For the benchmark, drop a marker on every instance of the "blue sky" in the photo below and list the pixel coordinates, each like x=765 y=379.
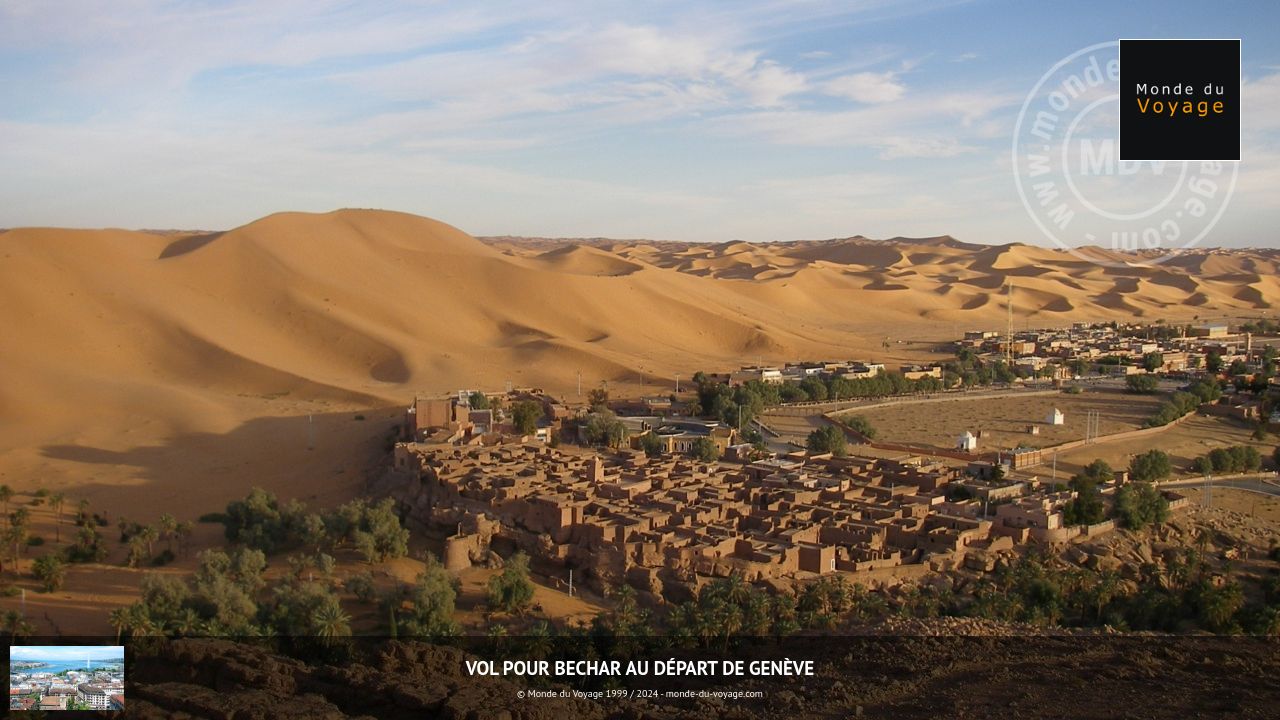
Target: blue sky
x=667 y=120
x=65 y=653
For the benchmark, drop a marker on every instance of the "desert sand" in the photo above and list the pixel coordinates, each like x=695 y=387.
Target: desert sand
x=170 y=372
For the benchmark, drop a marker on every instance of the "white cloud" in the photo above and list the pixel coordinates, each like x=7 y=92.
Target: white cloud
x=867 y=87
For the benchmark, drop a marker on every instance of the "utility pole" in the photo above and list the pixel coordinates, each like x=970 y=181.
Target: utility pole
x=1008 y=337
x=570 y=582
x=677 y=383
x=311 y=432
x=579 y=383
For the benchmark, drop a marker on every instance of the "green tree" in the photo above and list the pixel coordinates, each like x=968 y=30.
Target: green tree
x=15 y=623
x=604 y=428
x=598 y=398
x=183 y=533
x=1142 y=384
x=651 y=444
x=478 y=401
x=120 y=620
x=511 y=591
x=168 y=527
x=862 y=425
x=1140 y=504
x=705 y=450
x=1086 y=508
x=1152 y=361
x=525 y=415
x=827 y=438
x=329 y=620
x=361 y=585
x=432 y=598
x=50 y=571
x=1150 y=466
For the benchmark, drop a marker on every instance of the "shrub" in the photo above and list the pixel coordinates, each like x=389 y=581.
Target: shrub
x=50 y=571
x=1142 y=384
x=862 y=425
x=216 y=518
x=827 y=438
x=361 y=585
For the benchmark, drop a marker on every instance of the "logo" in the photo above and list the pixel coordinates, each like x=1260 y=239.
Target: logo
x=1071 y=180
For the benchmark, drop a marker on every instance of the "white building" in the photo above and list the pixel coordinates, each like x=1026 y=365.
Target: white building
x=93 y=696
x=1055 y=417
x=968 y=442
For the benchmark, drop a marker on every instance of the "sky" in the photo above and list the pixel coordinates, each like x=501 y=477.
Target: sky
x=65 y=653
x=705 y=121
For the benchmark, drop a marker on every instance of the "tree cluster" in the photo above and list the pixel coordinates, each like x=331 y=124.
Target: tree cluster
x=1182 y=403
x=1138 y=505
x=1087 y=508
x=1234 y=459
x=1150 y=466
x=260 y=521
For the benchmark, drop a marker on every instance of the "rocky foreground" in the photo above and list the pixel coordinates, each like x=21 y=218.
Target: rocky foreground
x=992 y=670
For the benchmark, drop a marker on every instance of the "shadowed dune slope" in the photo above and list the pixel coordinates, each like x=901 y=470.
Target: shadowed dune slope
x=109 y=329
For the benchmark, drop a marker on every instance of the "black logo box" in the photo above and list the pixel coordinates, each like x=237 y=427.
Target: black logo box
x=1186 y=69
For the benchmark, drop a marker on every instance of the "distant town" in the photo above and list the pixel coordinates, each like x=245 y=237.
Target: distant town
x=58 y=685
x=660 y=491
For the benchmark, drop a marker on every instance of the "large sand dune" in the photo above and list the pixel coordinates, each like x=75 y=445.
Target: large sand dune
x=149 y=369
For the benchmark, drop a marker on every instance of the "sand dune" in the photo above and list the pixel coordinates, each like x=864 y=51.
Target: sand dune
x=172 y=345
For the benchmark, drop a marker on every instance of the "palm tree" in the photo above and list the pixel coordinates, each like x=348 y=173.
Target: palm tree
x=16 y=625
x=121 y=619
x=538 y=641
x=55 y=501
x=183 y=532
x=330 y=621
x=168 y=529
x=82 y=512
x=137 y=551
x=149 y=536
x=140 y=623
x=19 y=522
x=187 y=622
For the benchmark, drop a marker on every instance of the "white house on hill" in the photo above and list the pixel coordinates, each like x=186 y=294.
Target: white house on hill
x=1056 y=417
x=967 y=442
